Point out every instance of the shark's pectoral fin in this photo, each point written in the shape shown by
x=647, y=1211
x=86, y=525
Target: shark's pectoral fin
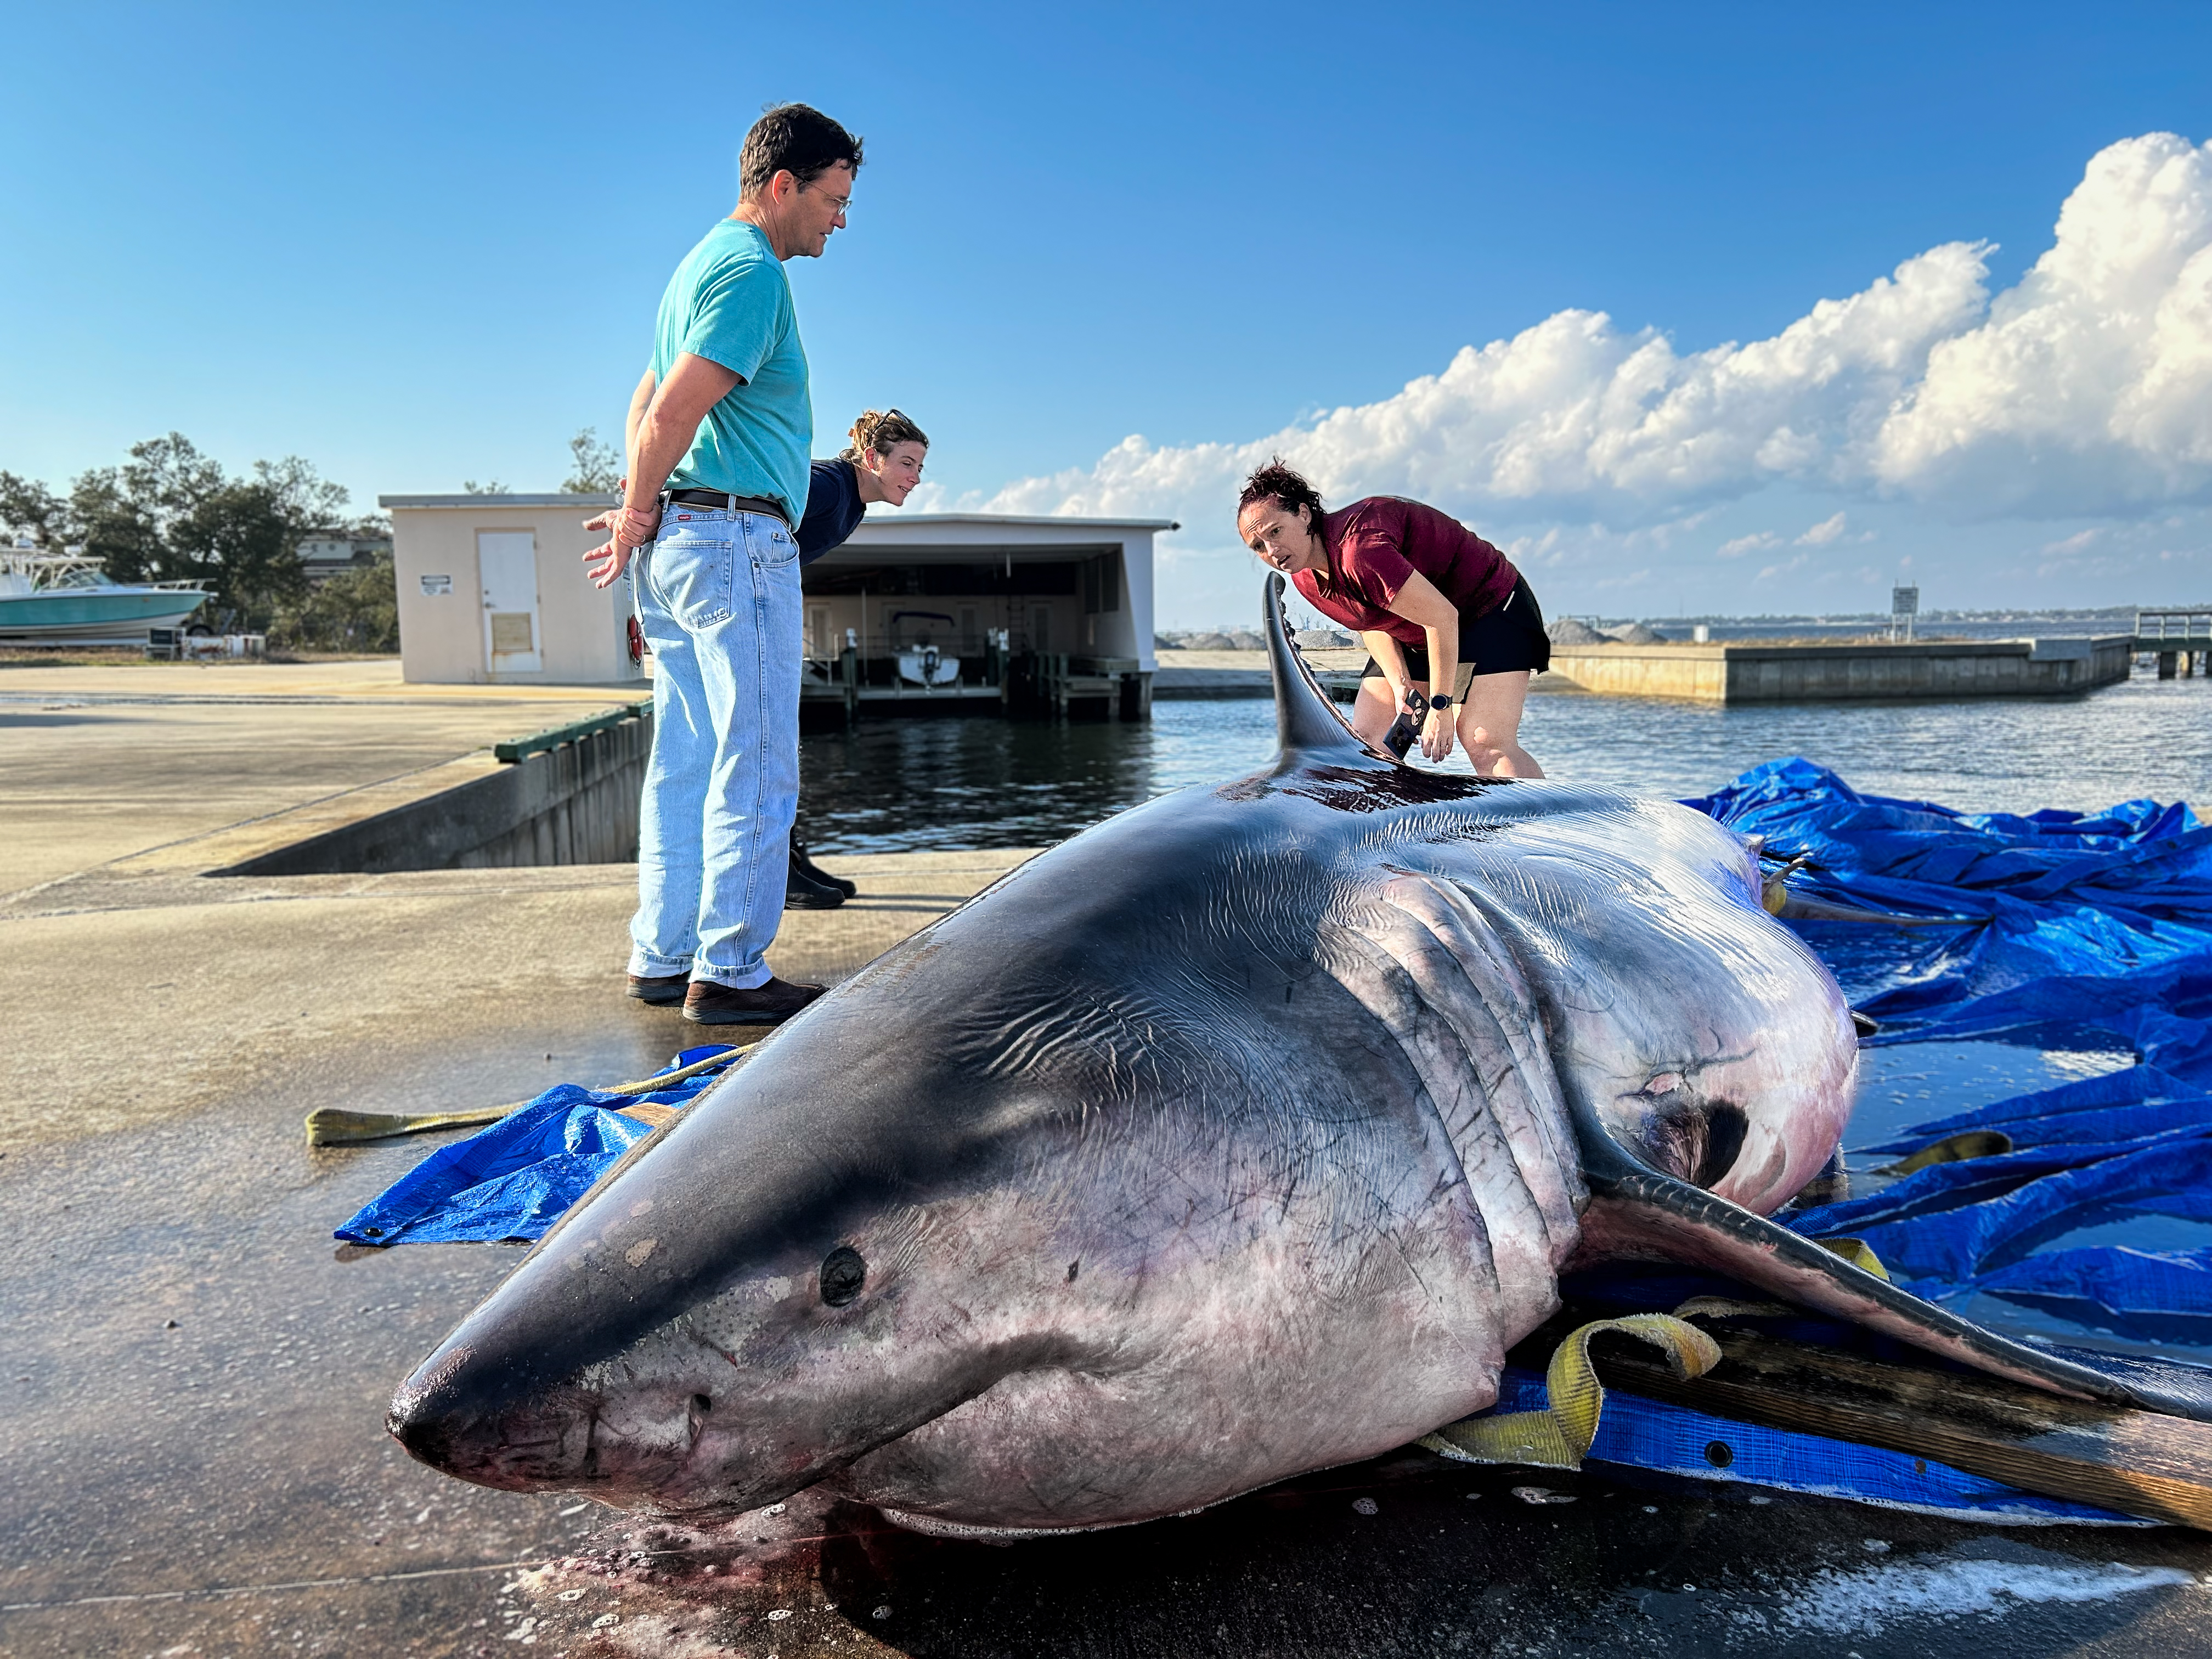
x=1670, y=1217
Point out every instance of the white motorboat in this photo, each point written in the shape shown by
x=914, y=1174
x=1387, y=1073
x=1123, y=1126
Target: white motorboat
x=65, y=599
x=921, y=662
x=927, y=665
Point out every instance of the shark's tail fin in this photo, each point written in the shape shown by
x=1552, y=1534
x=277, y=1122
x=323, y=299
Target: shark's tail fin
x=1306, y=720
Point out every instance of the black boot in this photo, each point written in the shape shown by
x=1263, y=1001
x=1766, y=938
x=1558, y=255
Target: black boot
x=799, y=861
x=802, y=893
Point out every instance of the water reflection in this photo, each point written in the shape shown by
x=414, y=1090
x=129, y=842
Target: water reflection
x=953, y=782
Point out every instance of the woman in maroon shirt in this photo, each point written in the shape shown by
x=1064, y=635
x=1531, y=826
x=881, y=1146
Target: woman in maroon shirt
x=1439, y=609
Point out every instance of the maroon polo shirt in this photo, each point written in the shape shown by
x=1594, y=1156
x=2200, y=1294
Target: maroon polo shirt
x=1375, y=544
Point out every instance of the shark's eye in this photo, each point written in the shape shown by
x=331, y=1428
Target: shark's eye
x=843, y=1273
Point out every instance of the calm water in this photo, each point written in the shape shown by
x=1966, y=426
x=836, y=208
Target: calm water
x=946, y=784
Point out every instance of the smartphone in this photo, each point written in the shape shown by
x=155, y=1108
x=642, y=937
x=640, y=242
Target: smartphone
x=1406, y=731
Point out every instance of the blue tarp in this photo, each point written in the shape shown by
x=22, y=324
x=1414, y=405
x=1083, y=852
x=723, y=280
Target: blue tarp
x=513, y=1179
x=2054, y=893
x=2089, y=931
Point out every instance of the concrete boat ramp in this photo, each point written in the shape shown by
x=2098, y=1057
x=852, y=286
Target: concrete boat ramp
x=194, y=1461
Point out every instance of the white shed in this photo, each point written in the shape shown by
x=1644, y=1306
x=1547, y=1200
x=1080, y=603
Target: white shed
x=492, y=589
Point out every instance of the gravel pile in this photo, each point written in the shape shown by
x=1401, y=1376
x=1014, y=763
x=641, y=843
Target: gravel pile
x=1572, y=630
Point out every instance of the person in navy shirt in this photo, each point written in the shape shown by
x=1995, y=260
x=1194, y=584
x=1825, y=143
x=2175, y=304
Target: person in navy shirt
x=881, y=462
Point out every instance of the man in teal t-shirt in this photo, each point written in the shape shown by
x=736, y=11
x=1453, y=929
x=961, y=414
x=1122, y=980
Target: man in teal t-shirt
x=718, y=431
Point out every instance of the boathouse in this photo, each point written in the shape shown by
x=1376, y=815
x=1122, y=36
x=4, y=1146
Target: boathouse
x=982, y=612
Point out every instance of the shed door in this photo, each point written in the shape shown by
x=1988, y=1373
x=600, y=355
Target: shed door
x=506, y=563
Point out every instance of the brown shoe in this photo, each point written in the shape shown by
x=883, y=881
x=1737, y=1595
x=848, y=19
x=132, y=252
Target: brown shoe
x=708, y=1004
x=663, y=991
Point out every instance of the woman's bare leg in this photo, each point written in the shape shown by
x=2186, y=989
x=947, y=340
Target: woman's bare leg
x=1489, y=726
x=1374, y=709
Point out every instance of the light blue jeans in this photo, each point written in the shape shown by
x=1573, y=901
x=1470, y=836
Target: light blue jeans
x=718, y=599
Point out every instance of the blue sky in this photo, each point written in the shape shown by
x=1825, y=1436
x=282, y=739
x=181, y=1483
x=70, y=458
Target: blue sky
x=417, y=244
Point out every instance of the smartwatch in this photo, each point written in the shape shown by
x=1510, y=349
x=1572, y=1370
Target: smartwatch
x=1439, y=702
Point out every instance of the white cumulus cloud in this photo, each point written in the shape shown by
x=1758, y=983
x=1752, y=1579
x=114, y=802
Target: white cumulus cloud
x=2088, y=388
x=2084, y=390
x=1756, y=542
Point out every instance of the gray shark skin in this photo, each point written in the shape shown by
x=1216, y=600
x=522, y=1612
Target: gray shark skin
x=1236, y=1137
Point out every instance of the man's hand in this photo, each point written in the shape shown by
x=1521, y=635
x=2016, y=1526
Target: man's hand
x=631, y=528
x=664, y=433
x=1436, y=734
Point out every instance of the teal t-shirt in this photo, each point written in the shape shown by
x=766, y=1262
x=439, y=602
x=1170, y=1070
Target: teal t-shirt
x=729, y=301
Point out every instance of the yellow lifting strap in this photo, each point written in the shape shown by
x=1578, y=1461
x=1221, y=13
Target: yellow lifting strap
x=1858, y=1252
x=1557, y=1436
x=1561, y=1435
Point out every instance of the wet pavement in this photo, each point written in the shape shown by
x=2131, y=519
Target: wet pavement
x=194, y=1464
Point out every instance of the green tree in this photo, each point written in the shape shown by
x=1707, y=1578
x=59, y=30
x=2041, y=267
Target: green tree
x=304, y=496
x=109, y=525
x=356, y=610
x=595, y=468
x=168, y=477
x=29, y=508
x=242, y=539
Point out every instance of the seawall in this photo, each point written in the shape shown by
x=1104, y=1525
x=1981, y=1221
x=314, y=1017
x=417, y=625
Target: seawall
x=577, y=803
x=1934, y=669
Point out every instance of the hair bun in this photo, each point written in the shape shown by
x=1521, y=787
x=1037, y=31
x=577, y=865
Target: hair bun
x=877, y=430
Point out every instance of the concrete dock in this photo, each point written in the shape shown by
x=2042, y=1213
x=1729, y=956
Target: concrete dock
x=192, y=1461
x=1792, y=672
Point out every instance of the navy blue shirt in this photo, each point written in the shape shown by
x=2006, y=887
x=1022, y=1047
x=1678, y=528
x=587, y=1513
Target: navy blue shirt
x=834, y=508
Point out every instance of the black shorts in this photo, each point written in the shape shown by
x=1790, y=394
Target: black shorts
x=1497, y=642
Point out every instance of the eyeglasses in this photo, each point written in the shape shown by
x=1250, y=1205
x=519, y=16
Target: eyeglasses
x=842, y=202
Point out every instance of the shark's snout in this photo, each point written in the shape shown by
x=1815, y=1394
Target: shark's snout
x=456, y=1418
x=427, y=1435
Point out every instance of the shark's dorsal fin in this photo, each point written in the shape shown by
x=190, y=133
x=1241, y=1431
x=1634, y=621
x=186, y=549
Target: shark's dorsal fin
x=1307, y=724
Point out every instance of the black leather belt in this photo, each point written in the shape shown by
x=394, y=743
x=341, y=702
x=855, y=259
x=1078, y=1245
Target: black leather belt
x=728, y=503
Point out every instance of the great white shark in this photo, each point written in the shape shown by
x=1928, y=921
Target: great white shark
x=1236, y=1137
